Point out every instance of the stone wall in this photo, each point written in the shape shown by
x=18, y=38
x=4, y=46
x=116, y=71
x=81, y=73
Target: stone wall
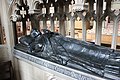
x=3, y=53
x=30, y=72
x=6, y=49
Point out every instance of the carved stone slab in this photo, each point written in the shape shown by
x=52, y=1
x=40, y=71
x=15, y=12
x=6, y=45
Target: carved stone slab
x=79, y=75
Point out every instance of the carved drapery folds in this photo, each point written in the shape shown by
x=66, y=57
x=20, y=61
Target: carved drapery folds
x=73, y=53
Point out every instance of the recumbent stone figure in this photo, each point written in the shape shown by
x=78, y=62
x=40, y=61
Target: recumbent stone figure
x=72, y=53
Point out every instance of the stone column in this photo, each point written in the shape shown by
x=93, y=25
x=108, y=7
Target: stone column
x=15, y=32
x=34, y=22
x=67, y=28
x=17, y=69
x=62, y=27
x=115, y=32
x=91, y=4
x=72, y=27
x=99, y=12
x=5, y=20
x=84, y=29
x=82, y=15
x=44, y=24
x=24, y=26
x=108, y=5
x=52, y=25
x=98, y=32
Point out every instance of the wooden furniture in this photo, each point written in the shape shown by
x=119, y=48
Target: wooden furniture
x=105, y=39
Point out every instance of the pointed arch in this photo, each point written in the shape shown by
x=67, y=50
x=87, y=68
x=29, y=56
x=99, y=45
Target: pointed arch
x=34, y=3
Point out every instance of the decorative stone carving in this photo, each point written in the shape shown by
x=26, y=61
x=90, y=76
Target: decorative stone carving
x=55, y=67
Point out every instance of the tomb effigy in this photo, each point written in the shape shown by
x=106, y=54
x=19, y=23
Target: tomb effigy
x=79, y=55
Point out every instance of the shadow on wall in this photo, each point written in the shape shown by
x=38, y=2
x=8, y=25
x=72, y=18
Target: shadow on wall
x=3, y=53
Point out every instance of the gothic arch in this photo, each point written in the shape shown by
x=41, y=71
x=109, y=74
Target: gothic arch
x=35, y=3
x=11, y=8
